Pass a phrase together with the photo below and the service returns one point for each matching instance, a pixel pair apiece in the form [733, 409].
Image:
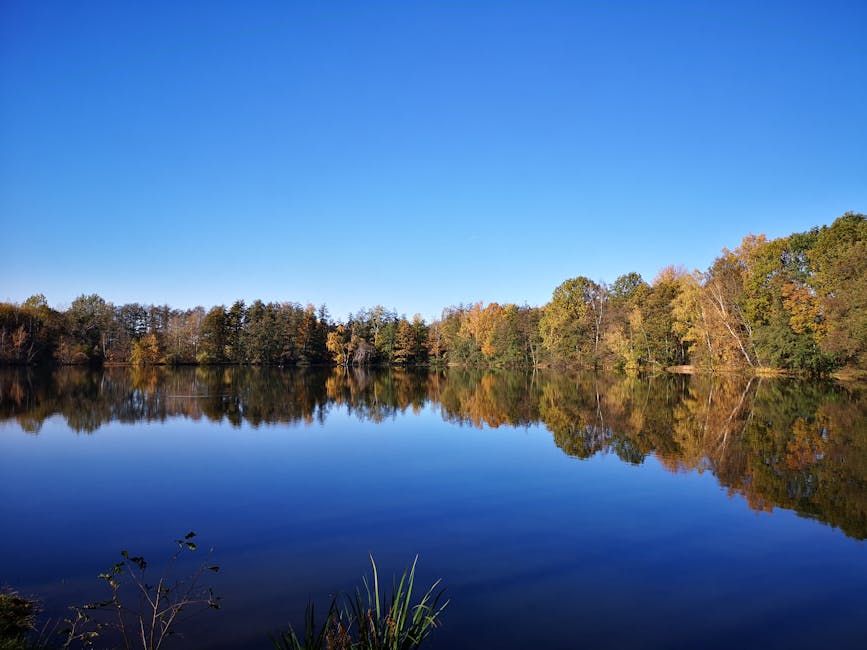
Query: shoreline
[843, 375]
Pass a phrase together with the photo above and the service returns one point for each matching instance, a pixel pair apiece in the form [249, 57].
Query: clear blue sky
[414, 154]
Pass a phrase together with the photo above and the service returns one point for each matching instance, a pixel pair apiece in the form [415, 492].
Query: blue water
[536, 548]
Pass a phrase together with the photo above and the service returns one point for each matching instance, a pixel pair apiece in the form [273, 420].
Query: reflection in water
[784, 443]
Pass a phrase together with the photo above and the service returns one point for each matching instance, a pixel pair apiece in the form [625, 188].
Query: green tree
[235, 322]
[781, 307]
[89, 318]
[213, 336]
[571, 324]
[839, 258]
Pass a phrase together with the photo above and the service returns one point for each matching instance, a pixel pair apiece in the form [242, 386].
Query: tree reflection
[779, 443]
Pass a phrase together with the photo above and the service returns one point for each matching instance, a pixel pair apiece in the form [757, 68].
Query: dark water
[561, 511]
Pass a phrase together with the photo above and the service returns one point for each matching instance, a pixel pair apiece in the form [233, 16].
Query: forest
[794, 304]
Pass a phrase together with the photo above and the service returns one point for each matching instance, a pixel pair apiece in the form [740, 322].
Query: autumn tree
[406, 345]
[797, 303]
[625, 335]
[839, 259]
[29, 333]
[338, 342]
[783, 309]
[212, 348]
[571, 325]
[146, 351]
[89, 318]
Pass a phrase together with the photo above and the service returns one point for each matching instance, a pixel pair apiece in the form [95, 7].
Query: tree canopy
[796, 303]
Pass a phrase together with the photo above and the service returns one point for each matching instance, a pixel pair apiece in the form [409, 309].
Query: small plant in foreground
[141, 615]
[17, 620]
[369, 621]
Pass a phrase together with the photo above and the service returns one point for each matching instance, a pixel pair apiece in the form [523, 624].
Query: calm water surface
[562, 511]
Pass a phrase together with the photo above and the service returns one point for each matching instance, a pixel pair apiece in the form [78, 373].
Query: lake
[560, 510]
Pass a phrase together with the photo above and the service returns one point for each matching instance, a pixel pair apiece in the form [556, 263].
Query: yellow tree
[338, 344]
[146, 351]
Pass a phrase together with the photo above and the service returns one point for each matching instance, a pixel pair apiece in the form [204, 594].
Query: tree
[235, 322]
[782, 308]
[724, 293]
[571, 325]
[89, 317]
[691, 322]
[406, 346]
[530, 336]
[710, 315]
[839, 258]
[338, 342]
[212, 347]
[35, 302]
[311, 337]
[146, 351]
[626, 286]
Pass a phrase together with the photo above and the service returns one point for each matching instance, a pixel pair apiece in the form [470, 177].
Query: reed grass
[368, 620]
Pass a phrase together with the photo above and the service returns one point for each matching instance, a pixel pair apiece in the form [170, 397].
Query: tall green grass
[367, 620]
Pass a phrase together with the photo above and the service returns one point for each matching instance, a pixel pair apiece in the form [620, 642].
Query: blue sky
[414, 154]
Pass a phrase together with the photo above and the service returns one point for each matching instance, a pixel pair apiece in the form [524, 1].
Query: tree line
[796, 303]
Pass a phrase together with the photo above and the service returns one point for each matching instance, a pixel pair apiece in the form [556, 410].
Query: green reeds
[369, 621]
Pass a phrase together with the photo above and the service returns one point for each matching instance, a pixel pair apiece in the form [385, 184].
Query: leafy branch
[143, 614]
